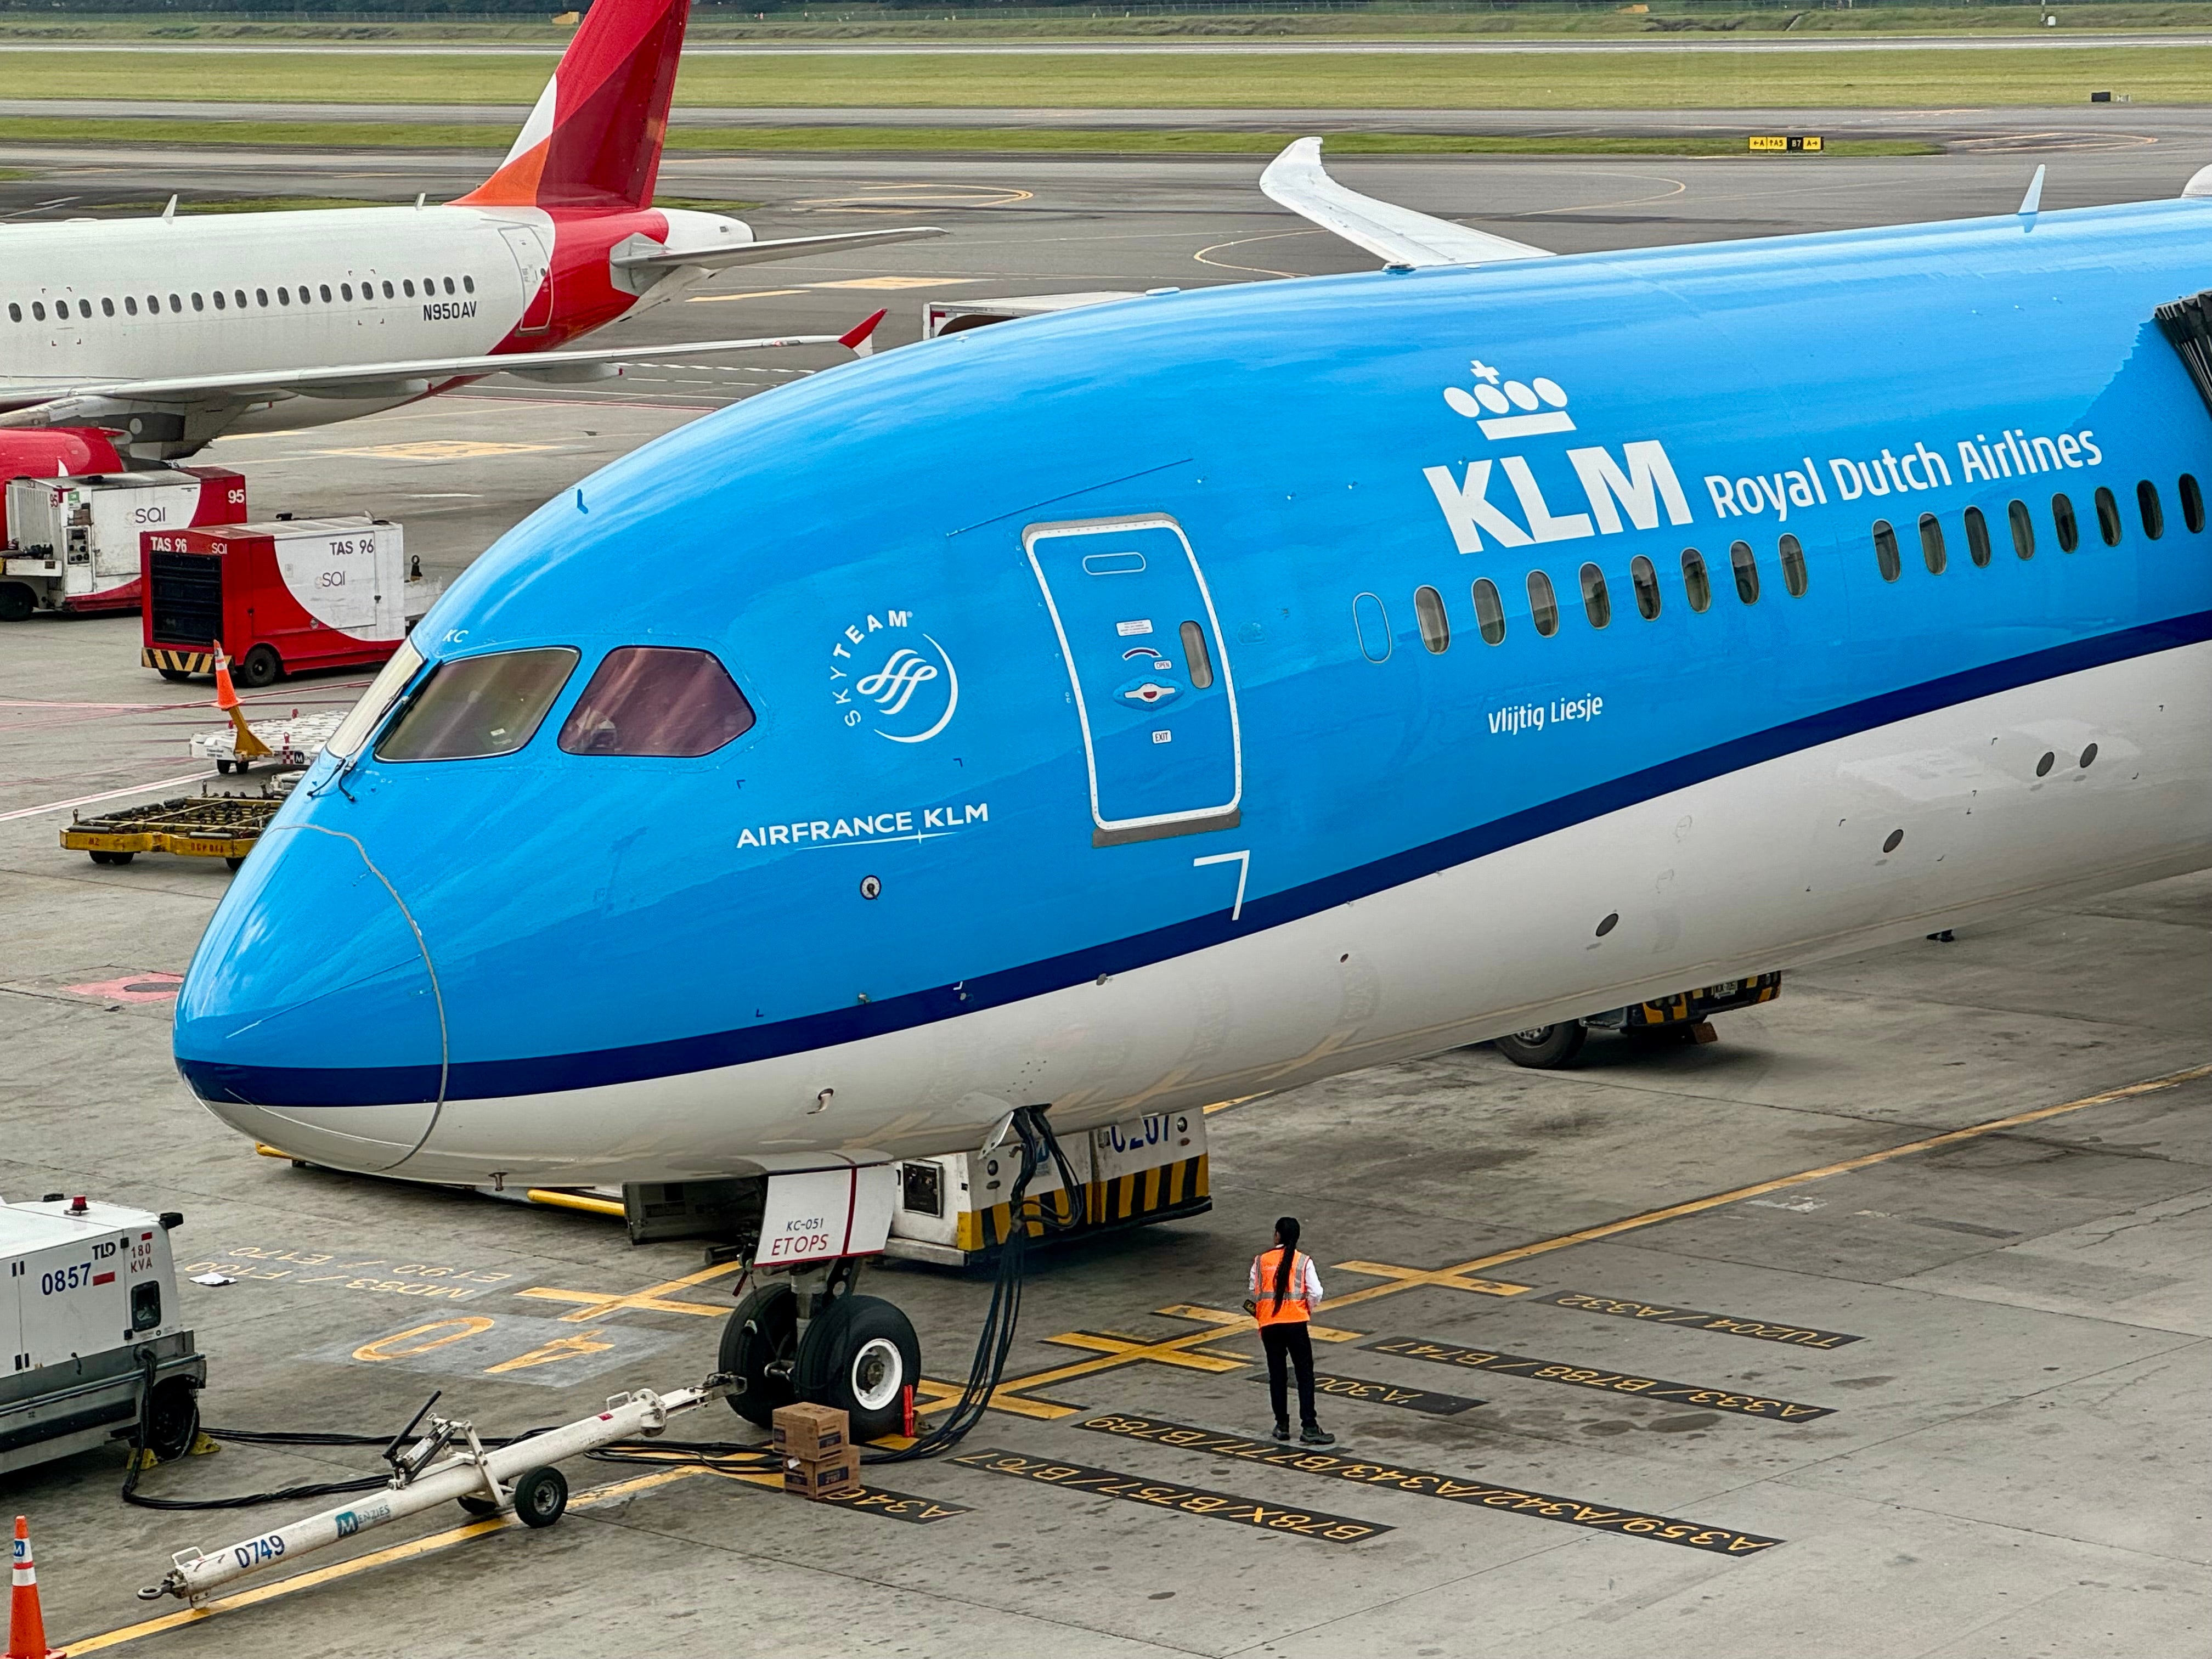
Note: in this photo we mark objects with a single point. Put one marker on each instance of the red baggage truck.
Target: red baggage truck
(282, 596)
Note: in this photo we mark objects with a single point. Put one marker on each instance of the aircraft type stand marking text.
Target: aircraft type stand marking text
(1425, 1483)
(1590, 1377)
(1803, 1336)
(1171, 1495)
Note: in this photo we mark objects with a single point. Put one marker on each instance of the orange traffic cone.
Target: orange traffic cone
(244, 743)
(27, 1625)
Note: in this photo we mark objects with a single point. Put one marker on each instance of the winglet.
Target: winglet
(1398, 236)
(2032, 204)
(856, 340)
(169, 213)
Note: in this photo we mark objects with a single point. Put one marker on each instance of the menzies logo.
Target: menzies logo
(901, 685)
(1630, 491)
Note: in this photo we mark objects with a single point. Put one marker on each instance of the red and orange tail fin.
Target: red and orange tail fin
(593, 139)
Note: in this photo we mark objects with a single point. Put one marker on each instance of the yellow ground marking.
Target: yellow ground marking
(1113, 1352)
(407, 1552)
(899, 282)
(597, 1305)
(1244, 1322)
(560, 1347)
(1223, 1105)
(438, 449)
(1738, 1194)
(757, 294)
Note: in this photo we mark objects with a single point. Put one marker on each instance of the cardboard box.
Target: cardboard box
(827, 1477)
(812, 1433)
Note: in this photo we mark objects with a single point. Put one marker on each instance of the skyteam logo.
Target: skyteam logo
(892, 678)
(1514, 408)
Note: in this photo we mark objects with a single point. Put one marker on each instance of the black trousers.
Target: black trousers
(1287, 1340)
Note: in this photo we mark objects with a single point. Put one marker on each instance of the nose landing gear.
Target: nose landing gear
(808, 1335)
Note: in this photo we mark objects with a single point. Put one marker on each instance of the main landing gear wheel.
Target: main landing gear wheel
(1546, 1048)
(860, 1356)
(760, 1349)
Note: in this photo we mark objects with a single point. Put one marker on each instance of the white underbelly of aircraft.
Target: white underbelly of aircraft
(1896, 832)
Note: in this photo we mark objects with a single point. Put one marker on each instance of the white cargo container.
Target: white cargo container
(94, 1331)
(72, 543)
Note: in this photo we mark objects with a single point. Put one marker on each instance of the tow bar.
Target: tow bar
(518, 1478)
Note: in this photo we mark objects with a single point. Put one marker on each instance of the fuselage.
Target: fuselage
(137, 300)
(902, 901)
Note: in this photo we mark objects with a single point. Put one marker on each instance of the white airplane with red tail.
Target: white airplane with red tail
(152, 336)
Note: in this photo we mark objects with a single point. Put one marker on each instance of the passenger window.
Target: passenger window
(84, 307)
(1978, 536)
(1884, 551)
(2108, 517)
(199, 302)
(106, 307)
(238, 298)
(153, 305)
(1489, 613)
(1696, 587)
(324, 290)
(1429, 613)
(15, 312)
(1931, 543)
(449, 285)
(479, 706)
(1195, 657)
(1645, 580)
(37, 310)
(1747, 572)
(283, 296)
(1372, 624)
(2192, 498)
(2023, 529)
(131, 304)
(658, 700)
(470, 284)
(2062, 515)
(1793, 566)
(217, 297)
(261, 297)
(345, 291)
(1543, 607)
(1597, 603)
(176, 303)
(2150, 510)
(387, 290)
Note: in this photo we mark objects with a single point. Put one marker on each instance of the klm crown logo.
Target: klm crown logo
(1514, 410)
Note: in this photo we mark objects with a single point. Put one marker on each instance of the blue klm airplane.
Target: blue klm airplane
(1210, 692)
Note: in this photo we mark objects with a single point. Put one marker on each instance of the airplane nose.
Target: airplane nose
(310, 1017)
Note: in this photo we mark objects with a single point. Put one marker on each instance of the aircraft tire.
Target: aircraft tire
(1546, 1048)
(860, 1356)
(762, 1332)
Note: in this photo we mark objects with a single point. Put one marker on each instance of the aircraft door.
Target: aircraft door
(536, 279)
(1150, 676)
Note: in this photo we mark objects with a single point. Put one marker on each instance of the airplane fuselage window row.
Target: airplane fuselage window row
(2019, 519)
(1597, 598)
(237, 299)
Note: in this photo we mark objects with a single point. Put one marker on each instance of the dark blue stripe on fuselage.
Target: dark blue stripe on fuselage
(489, 1079)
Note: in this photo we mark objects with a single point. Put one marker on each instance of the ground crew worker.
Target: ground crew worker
(1285, 1290)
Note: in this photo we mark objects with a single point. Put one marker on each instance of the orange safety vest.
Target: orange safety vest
(1292, 1308)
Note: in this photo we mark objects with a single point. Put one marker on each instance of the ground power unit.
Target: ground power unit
(96, 1336)
(282, 596)
(71, 544)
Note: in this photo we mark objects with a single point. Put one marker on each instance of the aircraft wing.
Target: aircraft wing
(1396, 235)
(722, 254)
(56, 405)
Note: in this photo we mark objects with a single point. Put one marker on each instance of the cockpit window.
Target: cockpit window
(479, 706)
(383, 691)
(657, 700)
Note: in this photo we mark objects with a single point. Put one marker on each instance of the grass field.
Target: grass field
(1657, 80)
(491, 140)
